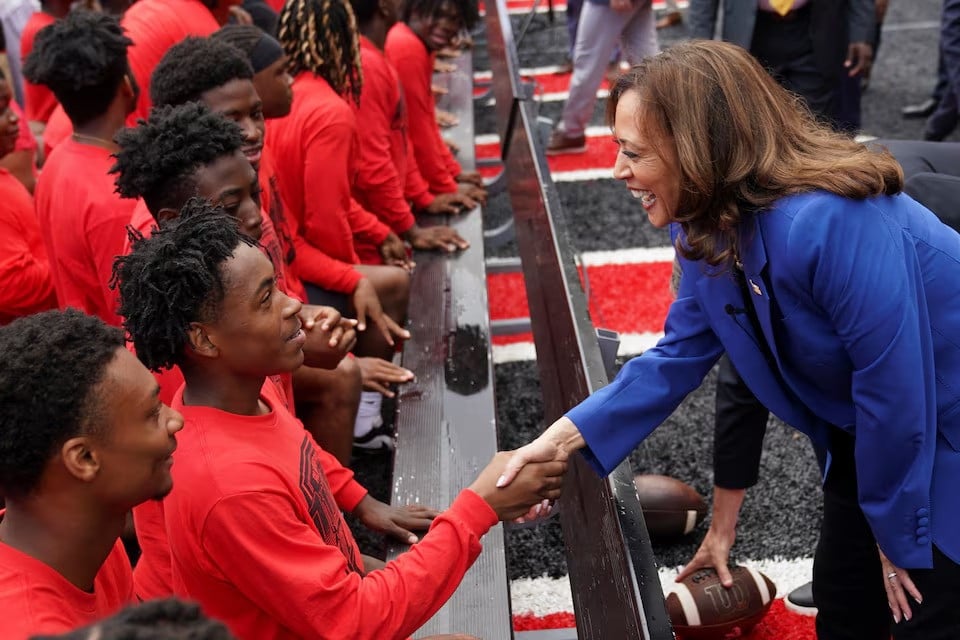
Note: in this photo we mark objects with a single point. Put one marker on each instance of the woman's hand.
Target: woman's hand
(714, 551)
(898, 584)
(395, 521)
(556, 443)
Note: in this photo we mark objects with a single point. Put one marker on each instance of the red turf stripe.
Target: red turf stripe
(779, 624)
(629, 298)
(600, 154)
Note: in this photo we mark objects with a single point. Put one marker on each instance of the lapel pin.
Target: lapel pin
(756, 289)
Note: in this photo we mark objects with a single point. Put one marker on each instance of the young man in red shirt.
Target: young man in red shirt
(83, 59)
(24, 268)
(217, 74)
(187, 151)
(83, 439)
(39, 100)
(257, 487)
(156, 25)
(382, 164)
(411, 46)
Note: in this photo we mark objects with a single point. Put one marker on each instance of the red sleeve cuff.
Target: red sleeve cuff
(473, 512)
(350, 495)
(422, 201)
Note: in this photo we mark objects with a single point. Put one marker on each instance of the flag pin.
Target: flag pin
(756, 289)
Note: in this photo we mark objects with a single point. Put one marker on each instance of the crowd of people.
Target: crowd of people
(205, 234)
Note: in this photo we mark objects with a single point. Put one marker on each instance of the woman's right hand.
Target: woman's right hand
(556, 443)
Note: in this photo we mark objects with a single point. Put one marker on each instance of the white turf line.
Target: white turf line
(631, 344)
(543, 596)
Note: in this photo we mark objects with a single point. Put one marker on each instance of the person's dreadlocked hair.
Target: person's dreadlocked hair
(52, 367)
(173, 278)
(466, 9)
(194, 66)
(321, 36)
(167, 619)
(83, 60)
(158, 159)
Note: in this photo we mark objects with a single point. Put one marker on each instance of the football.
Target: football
(671, 508)
(703, 609)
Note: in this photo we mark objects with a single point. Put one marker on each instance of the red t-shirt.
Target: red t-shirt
(39, 100)
(153, 576)
(314, 149)
(35, 599)
(155, 26)
(25, 139)
(414, 64)
(84, 222)
(24, 269)
(58, 129)
(382, 168)
(259, 542)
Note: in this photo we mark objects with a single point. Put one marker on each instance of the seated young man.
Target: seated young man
(187, 151)
(411, 46)
(83, 59)
(258, 490)
(217, 74)
(84, 438)
(24, 269)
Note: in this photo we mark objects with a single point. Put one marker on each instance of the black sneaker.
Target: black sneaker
(800, 600)
(379, 439)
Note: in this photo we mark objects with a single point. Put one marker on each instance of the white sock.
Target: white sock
(368, 414)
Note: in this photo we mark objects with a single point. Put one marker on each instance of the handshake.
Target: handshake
(530, 492)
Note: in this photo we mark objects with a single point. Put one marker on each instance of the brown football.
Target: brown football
(703, 609)
(671, 508)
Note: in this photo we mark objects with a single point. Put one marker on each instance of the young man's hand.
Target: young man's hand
(367, 305)
(398, 522)
(440, 238)
(473, 192)
(535, 483)
(329, 336)
(473, 177)
(394, 252)
(450, 204)
(378, 374)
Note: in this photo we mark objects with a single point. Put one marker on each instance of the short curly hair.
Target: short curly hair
(52, 366)
(173, 279)
(83, 60)
(194, 66)
(158, 159)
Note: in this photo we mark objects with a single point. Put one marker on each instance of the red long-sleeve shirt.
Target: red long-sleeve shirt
(258, 491)
(24, 269)
(155, 26)
(83, 222)
(314, 148)
(39, 100)
(414, 64)
(383, 142)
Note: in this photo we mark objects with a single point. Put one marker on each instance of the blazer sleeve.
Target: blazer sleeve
(839, 251)
(615, 419)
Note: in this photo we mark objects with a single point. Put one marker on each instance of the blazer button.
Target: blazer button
(922, 522)
(922, 512)
(921, 531)
(923, 540)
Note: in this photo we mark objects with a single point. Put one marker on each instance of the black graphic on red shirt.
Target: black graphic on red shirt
(322, 506)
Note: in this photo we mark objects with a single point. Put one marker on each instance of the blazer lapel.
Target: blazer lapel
(754, 257)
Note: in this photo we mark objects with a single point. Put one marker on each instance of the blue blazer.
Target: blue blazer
(865, 332)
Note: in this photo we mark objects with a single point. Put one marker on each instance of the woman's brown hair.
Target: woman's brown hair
(742, 142)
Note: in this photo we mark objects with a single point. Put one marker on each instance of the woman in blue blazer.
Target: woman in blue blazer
(836, 297)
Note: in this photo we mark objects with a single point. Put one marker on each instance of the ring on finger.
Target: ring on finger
(892, 575)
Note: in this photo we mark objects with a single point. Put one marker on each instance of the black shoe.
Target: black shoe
(800, 600)
(380, 438)
(921, 110)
